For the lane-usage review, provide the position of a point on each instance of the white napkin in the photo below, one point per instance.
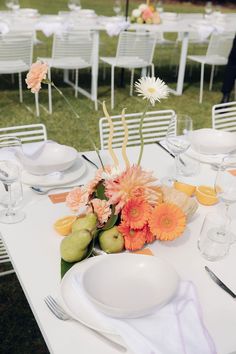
(114, 28)
(176, 328)
(4, 28)
(205, 30)
(49, 28)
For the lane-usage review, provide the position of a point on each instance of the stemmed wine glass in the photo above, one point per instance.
(12, 4)
(11, 192)
(208, 8)
(177, 138)
(117, 7)
(74, 5)
(225, 187)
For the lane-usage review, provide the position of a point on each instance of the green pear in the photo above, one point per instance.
(74, 247)
(88, 222)
(111, 241)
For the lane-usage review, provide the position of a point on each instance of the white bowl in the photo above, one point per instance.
(50, 157)
(212, 141)
(129, 285)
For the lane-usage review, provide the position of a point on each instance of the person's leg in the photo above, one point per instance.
(230, 74)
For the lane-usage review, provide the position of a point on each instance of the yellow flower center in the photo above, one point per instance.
(151, 90)
(134, 212)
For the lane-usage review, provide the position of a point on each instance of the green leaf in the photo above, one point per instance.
(111, 221)
(100, 191)
(65, 266)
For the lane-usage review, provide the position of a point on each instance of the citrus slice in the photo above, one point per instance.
(184, 187)
(206, 195)
(64, 225)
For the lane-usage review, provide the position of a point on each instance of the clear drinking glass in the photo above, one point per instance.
(11, 193)
(117, 7)
(208, 8)
(15, 5)
(178, 140)
(225, 184)
(74, 5)
(160, 6)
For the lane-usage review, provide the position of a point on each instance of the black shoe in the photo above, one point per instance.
(225, 98)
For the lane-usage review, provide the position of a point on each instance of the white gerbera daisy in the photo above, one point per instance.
(151, 88)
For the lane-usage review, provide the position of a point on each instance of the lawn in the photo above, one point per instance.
(20, 334)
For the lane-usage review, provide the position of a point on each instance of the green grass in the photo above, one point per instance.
(20, 334)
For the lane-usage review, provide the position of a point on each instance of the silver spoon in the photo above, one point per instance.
(42, 190)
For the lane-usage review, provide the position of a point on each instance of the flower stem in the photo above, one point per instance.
(141, 133)
(77, 116)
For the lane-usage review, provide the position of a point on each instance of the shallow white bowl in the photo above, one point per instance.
(129, 285)
(50, 157)
(212, 141)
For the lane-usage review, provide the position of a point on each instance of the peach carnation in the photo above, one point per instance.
(167, 221)
(147, 13)
(101, 208)
(136, 213)
(77, 198)
(99, 176)
(37, 73)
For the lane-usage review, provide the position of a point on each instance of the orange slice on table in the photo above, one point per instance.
(188, 189)
(206, 195)
(64, 225)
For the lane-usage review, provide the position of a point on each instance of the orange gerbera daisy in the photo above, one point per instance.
(132, 183)
(167, 221)
(149, 235)
(136, 213)
(134, 238)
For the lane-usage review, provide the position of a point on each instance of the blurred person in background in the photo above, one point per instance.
(229, 75)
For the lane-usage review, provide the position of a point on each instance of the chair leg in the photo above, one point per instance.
(76, 82)
(94, 89)
(212, 76)
(20, 88)
(37, 104)
(131, 82)
(201, 83)
(112, 86)
(49, 92)
(153, 70)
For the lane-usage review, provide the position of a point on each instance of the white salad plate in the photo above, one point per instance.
(56, 179)
(78, 305)
(208, 159)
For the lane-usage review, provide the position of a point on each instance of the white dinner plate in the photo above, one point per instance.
(68, 176)
(79, 307)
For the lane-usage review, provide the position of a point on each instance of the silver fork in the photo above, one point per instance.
(60, 313)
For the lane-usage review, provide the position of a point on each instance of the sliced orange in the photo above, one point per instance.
(206, 195)
(64, 225)
(184, 187)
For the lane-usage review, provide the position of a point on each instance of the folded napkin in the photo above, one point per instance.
(175, 328)
(49, 28)
(114, 28)
(205, 30)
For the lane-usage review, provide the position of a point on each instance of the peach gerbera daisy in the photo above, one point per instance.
(101, 208)
(136, 213)
(132, 183)
(134, 239)
(167, 221)
(77, 198)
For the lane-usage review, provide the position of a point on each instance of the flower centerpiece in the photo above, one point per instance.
(145, 13)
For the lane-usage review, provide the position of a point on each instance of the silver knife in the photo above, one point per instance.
(220, 283)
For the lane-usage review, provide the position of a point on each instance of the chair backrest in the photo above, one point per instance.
(26, 133)
(220, 44)
(155, 127)
(16, 46)
(137, 45)
(224, 116)
(75, 44)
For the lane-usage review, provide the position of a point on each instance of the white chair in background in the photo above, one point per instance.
(217, 54)
(16, 53)
(155, 127)
(224, 116)
(134, 51)
(27, 134)
(75, 50)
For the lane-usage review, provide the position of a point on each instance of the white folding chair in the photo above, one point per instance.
(74, 50)
(16, 53)
(217, 54)
(155, 127)
(224, 116)
(134, 51)
(27, 134)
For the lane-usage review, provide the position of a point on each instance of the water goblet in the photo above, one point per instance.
(11, 195)
(208, 9)
(15, 5)
(225, 186)
(74, 5)
(117, 7)
(178, 142)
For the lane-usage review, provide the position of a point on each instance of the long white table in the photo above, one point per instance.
(33, 247)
